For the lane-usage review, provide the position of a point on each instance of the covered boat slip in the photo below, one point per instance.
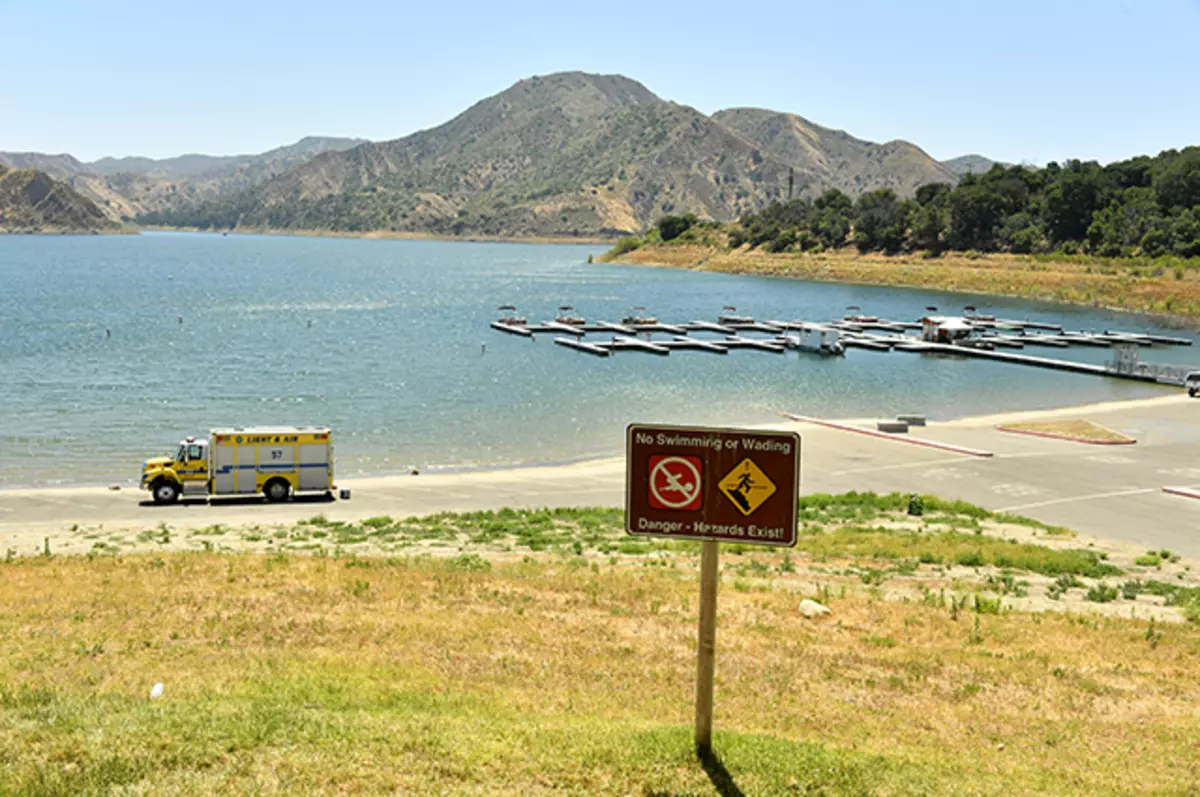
(245, 459)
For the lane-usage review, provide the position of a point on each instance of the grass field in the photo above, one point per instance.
(550, 672)
(1071, 280)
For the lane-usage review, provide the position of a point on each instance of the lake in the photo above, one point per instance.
(112, 348)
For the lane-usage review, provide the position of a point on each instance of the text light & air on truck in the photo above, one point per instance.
(272, 461)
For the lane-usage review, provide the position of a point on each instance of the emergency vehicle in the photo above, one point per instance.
(275, 461)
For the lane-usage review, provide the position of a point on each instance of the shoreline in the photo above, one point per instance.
(906, 271)
(615, 462)
(392, 235)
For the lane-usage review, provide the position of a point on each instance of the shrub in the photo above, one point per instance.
(1101, 593)
(626, 244)
(970, 559)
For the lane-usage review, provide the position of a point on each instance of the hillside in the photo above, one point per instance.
(834, 158)
(32, 201)
(970, 164)
(126, 187)
(567, 154)
(57, 166)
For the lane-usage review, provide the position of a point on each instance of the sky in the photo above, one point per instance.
(1019, 81)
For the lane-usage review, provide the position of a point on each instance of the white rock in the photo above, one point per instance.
(810, 608)
(156, 692)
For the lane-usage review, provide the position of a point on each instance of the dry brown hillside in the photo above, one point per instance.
(32, 201)
(567, 154)
(834, 158)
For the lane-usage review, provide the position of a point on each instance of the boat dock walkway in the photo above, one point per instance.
(865, 333)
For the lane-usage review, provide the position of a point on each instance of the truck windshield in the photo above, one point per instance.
(180, 454)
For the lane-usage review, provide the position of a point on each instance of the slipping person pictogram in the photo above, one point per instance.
(747, 486)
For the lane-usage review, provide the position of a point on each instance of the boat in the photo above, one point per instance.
(859, 318)
(730, 316)
(570, 320)
(970, 312)
(635, 316)
(509, 316)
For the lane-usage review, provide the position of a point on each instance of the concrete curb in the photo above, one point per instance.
(916, 441)
(1128, 442)
(1186, 492)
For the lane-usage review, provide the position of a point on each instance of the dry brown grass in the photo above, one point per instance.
(560, 675)
(1079, 430)
(1098, 283)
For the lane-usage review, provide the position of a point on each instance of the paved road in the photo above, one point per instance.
(1113, 492)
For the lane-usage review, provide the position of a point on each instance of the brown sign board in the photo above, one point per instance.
(699, 483)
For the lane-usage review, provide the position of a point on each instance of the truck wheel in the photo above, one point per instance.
(165, 492)
(276, 490)
(1192, 393)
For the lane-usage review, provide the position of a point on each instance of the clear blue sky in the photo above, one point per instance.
(1016, 81)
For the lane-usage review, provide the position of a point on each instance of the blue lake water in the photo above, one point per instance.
(388, 343)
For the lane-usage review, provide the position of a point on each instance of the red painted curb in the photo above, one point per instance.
(1186, 492)
(1068, 438)
(916, 441)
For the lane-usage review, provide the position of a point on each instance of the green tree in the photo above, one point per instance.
(1177, 182)
(880, 221)
(671, 227)
(1078, 191)
(1021, 234)
(976, 212)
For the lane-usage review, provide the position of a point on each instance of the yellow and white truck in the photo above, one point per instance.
(275, 461)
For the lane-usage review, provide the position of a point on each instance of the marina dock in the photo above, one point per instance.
(977, 338)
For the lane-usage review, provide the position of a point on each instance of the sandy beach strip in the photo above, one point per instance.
(1060, 482)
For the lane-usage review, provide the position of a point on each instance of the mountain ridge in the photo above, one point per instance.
(567, 154)
(130, 186)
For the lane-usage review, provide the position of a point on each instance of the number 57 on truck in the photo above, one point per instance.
(276, 461)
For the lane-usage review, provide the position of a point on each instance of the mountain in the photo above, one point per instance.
(191, 166)
(567, 154)
(32, 201)
(833, 158)
(970, 164)
(126, 187)
(57, 166)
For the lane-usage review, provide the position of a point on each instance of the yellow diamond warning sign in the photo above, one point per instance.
(747, 486)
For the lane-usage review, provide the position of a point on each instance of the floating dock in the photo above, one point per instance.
(868, 333)
(579, 345)
(513, 329)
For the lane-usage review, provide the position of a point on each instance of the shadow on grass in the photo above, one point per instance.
(722, 781)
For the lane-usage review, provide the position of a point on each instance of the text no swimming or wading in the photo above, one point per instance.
(728, 485)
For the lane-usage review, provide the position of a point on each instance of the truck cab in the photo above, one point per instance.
(1192, 383)
(185, 473)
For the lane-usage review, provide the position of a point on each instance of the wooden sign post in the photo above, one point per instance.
(711, 485)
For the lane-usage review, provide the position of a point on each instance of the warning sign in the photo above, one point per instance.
(747, 486)
(700, 483)
(675, 483)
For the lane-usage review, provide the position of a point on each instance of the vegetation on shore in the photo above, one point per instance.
(1165, 287)
(1126, 236)
(545, 670)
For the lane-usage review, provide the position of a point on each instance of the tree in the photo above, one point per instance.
(880, 221)
(671, 227)
(1177, 182)
(1071, 199)
(976, 212)
(1020, 234)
